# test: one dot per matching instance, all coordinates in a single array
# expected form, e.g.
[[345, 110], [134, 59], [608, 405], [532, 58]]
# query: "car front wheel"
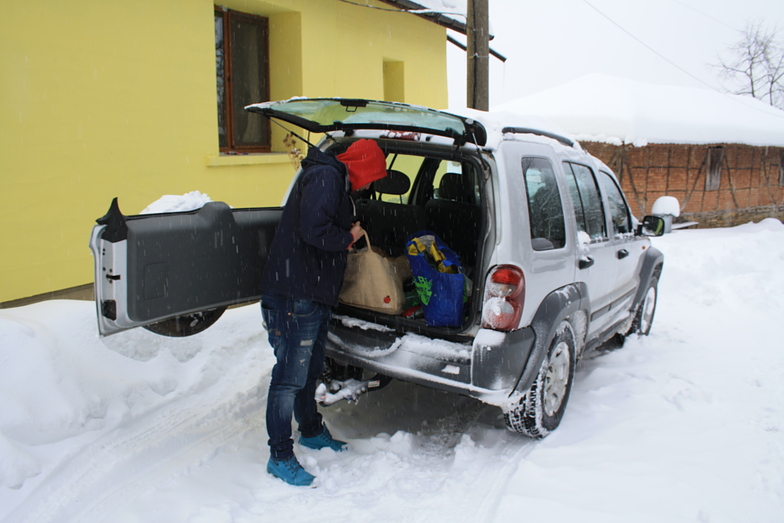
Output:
[[539, 412], [643, 321]]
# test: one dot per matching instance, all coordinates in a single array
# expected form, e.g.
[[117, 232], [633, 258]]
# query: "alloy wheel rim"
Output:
[[556, 378], [647, 310]]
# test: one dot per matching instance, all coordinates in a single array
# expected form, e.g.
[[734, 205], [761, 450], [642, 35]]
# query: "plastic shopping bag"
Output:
[[439, 279]]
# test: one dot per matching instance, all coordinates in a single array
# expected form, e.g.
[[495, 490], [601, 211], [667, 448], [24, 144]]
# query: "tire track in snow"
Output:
[[496, 479], [481, 489], [445, 433], [103, 480], [487, 485], [484, 487], [150, 450], [458, 445], [218, 432]]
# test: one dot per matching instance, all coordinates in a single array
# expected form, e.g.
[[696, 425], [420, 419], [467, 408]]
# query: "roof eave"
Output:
[[437, 18]]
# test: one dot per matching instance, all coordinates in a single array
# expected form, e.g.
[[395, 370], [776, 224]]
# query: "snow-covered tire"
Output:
[[540, 410], [187, 325], [643, 320]]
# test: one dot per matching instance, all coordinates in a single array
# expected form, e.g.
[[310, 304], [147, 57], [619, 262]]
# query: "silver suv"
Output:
[[556, 265]]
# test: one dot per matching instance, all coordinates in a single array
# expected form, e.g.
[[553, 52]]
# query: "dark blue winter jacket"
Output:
[[308, 254]]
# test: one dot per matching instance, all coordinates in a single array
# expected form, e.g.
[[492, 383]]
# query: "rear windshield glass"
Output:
[[326, 113]]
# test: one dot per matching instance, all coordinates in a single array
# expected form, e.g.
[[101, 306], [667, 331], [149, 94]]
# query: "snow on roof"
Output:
[[449, 13], [603, 108], [458, 8]]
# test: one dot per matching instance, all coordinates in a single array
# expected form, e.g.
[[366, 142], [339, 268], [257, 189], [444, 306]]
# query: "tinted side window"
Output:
[[545, 210], [588, 208], [619, 211]]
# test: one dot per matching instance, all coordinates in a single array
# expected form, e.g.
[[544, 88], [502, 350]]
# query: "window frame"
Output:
[[229, 116]]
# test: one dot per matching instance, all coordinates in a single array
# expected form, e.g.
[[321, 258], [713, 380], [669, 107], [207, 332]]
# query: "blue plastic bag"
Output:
[[438, 278]]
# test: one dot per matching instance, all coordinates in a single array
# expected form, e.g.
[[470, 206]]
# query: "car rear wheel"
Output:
[[186, 325], [539, 412]]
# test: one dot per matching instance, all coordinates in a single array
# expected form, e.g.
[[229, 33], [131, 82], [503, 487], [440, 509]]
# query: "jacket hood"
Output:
[[317, 157]]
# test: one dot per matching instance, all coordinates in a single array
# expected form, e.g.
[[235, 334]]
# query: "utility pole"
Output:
[[478, 56]]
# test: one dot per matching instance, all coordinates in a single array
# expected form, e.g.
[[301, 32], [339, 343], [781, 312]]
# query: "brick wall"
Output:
[[750, 183]]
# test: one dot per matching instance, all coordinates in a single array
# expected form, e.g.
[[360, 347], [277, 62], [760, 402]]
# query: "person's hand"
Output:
[[356, 231]]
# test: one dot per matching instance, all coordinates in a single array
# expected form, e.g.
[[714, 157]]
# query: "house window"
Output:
[[242, 67], [713, 161]]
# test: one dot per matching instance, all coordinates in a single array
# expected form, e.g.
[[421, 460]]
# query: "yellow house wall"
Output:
[[101, 99]]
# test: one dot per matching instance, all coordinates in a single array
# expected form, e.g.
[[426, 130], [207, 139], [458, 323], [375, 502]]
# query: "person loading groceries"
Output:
[[300, 284]]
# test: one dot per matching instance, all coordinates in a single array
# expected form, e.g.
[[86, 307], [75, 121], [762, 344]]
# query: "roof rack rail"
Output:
[[527, 130]]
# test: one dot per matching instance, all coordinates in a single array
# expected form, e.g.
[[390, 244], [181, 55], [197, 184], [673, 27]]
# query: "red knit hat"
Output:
[[365, 162]]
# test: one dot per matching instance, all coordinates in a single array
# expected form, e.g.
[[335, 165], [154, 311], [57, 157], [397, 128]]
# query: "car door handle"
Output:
[[623, 253], [585, 262]]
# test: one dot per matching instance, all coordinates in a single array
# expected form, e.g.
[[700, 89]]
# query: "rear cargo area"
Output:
[[435, 200]]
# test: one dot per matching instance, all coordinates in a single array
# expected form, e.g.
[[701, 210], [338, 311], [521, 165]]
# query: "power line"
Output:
[[657, 53], [651, 49], [706, 15]]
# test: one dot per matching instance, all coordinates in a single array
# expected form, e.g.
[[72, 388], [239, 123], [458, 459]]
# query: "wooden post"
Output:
[[478, 62]]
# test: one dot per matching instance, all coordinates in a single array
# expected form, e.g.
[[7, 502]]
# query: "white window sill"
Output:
[[223, 160]]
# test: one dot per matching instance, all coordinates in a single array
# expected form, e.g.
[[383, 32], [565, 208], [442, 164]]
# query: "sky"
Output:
[[550, 43]]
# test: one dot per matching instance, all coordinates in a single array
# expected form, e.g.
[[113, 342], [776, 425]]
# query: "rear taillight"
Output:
[[504, 296]]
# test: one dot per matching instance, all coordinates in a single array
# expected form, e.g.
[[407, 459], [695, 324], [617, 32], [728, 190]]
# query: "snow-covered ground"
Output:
[[686, 425]]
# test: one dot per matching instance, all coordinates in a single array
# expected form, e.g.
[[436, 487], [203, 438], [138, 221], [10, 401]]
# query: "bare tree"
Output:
[[755, 64]]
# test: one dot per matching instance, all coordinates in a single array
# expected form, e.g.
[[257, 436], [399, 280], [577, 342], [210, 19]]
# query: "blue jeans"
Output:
[[297, 331]]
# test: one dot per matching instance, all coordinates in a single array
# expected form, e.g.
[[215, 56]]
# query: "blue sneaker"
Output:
[[290, 471], [322, 441]]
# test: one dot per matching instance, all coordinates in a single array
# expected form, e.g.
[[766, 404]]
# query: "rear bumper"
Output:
[[486, 367]]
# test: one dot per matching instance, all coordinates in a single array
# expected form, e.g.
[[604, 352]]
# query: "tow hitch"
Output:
[[345, 383]]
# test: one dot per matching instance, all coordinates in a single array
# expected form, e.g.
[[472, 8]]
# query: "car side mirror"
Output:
[[652, 226]]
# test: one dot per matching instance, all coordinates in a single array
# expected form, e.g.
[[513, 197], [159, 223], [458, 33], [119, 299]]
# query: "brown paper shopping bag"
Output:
[[372, 282]]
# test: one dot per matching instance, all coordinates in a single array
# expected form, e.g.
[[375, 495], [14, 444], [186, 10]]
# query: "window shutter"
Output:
[[713, 162]]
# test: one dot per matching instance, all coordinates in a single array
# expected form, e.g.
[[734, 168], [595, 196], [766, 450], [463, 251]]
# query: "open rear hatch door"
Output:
[[154, 267], [321, 115]]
